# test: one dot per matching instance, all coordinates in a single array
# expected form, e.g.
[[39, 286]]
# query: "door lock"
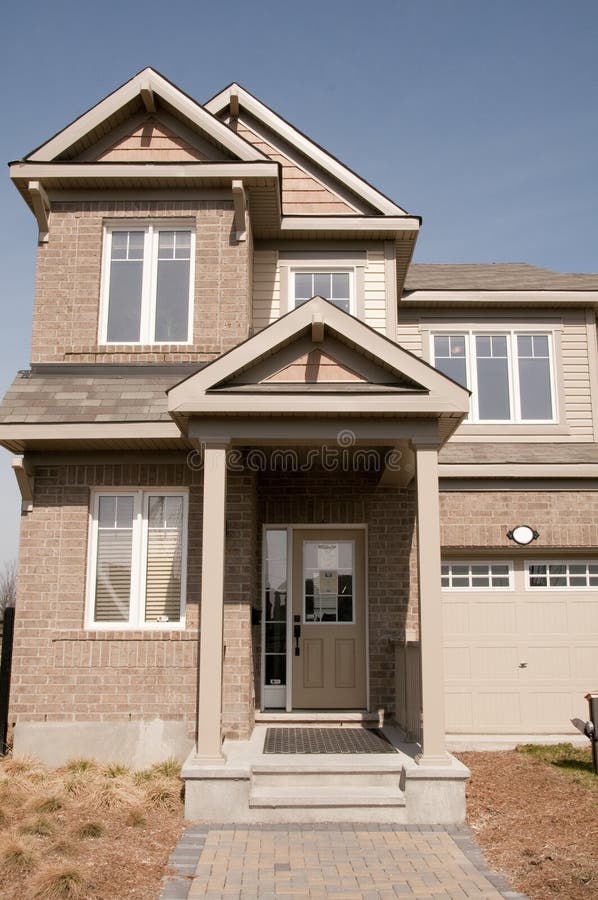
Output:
[[297, 635]]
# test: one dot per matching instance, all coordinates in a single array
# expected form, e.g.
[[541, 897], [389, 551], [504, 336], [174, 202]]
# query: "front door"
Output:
[[329, 665]]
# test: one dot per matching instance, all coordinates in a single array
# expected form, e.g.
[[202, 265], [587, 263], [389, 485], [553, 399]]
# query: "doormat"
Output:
[[326, 740]]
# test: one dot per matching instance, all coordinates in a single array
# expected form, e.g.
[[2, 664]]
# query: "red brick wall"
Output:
[[67, 293]]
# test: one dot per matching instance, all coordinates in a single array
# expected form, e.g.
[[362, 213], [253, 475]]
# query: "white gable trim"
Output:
[[146, 80], [193, 395], [319, 156]]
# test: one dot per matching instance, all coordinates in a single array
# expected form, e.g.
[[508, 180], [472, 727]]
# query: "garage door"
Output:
[[521, 643]]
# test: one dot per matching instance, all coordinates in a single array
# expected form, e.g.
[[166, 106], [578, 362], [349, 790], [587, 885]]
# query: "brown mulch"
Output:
[[536, 823]]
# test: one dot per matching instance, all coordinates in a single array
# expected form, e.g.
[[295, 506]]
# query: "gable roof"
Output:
[[221, 103], [138, 93], [237, 382]]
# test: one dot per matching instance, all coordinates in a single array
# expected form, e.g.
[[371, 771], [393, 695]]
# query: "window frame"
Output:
[[322, 268], [136, 620], [472, 561], [511, 334], [536, 589], [147, 329]]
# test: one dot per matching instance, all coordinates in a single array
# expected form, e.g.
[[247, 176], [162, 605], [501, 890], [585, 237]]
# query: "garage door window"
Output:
[[559, 574], [476, 576]]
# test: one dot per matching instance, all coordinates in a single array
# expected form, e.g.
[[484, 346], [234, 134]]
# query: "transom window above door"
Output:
[[510, 374], [147, 285], [333, 286]]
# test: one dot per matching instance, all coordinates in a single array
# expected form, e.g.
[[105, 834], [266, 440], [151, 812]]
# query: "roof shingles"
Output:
[[494, 277]]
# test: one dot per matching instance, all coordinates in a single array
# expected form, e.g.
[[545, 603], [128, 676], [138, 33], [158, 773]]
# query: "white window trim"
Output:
[[136, 620], [321, 267], [512, 370], [472, 561], [148, 293], [559, 562]]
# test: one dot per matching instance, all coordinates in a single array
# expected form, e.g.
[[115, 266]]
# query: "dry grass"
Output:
[[535, 813], [86, 830]]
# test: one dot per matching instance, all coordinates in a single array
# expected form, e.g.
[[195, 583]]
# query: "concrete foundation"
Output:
[[133, 744]]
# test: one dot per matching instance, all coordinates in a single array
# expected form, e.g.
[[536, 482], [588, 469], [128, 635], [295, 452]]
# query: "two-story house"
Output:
[[273, 474]]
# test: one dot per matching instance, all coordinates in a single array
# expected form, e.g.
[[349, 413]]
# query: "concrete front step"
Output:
[[317, 776], [325, 797]]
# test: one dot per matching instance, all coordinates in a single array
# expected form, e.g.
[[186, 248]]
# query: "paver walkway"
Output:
[[374, 862]]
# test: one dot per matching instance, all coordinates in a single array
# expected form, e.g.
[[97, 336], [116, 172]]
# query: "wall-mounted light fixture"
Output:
[[523, 534]]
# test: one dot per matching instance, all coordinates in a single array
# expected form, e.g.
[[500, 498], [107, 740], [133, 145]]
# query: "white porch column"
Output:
[[430, 610], [209, 711]]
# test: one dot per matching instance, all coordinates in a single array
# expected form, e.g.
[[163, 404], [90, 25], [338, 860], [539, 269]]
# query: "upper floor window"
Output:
[[336, 286], [147, 285], [137, 559], [510, 374]]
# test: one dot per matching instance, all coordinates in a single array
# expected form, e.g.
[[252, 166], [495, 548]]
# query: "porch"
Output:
[[252, 786]]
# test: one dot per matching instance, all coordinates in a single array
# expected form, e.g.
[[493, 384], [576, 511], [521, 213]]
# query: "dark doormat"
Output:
[[326, 740]]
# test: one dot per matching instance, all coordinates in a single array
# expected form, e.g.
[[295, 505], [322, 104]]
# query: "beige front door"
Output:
[[329, 665]]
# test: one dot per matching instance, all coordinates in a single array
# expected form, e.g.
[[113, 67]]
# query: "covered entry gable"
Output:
[[315, 360]]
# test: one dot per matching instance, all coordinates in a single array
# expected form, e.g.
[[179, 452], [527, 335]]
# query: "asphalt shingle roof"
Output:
[[494, 277]]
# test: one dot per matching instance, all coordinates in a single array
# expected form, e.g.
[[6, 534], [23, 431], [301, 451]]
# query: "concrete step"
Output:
[[317, 717], [316, 776], [325, 797]]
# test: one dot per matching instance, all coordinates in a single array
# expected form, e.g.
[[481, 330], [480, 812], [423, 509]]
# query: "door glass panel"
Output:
[[328, 578], [275, 606]]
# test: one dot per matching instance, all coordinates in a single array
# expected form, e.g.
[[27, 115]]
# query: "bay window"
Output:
[[137, 559], [510, 374], [147, 285]]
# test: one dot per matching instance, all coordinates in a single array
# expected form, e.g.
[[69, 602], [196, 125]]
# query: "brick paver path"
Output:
[[331, 861]]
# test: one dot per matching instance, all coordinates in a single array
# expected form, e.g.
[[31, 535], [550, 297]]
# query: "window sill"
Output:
[[124, 634], [512, 428]]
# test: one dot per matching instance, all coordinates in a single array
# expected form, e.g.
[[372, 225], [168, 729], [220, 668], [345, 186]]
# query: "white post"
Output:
[[209, 712], [430, 608]]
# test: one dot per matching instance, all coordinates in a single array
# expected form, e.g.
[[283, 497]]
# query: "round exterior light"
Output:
[[523, 534]]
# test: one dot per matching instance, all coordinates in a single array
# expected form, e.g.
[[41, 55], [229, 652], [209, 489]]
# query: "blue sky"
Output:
[[481, 116]]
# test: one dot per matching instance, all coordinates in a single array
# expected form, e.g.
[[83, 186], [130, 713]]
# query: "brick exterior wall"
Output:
[[564, 519], [64, 673], [68, 282]]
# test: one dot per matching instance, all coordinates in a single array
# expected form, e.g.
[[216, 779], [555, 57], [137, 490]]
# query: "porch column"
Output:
[[209, 710], [430, 610]]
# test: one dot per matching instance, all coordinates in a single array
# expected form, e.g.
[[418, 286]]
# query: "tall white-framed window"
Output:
[[147, 284], [561, 575], [510, 373], [137, 559], [334, 284]]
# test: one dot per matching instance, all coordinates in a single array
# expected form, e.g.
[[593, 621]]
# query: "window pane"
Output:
[[493, 378], [534, 387], [124, 300], [164, 559], [340, 285], [276, 669], [322, 285], [276, 638], [113, 565], [303, 286], [450, 357], [172, 287]]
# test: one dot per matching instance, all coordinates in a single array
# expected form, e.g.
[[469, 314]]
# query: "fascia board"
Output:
[[306, 146], [349, 223], [481, 298], [127, 92], [61, 431], [38, 171], [347, 328], [314, 404]]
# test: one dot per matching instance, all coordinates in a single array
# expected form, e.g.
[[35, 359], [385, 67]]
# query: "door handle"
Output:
[[297, 635]]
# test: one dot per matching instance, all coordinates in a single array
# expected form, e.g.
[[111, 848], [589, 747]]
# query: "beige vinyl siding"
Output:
[[151, 141], [375, 291], [576, 373], [301, 193], [266, 288], [571, 337]]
